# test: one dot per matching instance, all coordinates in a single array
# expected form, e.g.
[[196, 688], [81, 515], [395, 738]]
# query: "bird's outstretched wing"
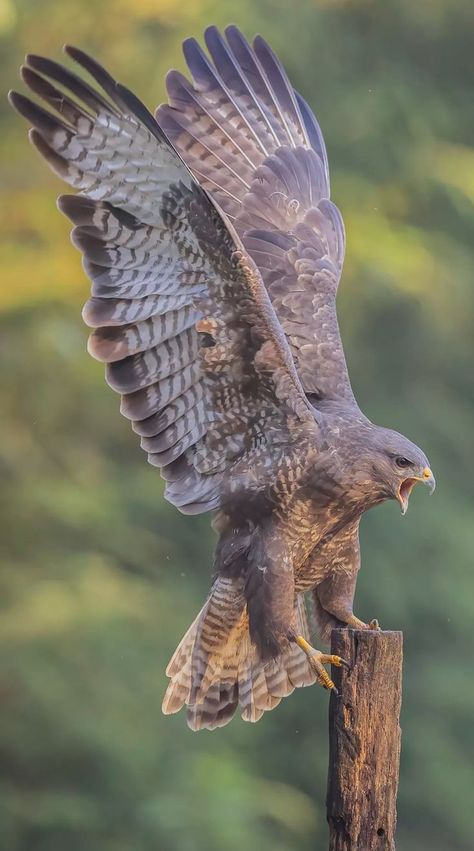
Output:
[[179, 311], [255, 145]]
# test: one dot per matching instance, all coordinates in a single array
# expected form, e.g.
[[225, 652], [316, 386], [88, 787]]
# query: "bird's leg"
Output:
[[355, 622], [317, 661], [336, 595]]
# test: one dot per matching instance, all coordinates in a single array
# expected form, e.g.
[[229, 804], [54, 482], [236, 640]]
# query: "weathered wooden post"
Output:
[[364, 741]]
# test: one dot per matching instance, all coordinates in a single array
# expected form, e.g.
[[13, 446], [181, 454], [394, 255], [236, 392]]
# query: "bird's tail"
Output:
[[216, 668]]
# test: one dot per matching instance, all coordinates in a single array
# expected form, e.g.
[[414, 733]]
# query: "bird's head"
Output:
[[398, 465]]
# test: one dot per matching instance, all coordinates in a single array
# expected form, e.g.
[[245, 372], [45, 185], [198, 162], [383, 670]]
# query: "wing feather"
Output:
[[300, 263], [256, 146], [179, 312]]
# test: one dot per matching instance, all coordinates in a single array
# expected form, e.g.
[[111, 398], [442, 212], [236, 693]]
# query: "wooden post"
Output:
[[364, 741]]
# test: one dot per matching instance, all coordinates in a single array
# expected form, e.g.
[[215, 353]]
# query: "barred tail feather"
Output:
[[215, 668]]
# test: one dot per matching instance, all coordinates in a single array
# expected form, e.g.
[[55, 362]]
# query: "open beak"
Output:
[[407, 486]]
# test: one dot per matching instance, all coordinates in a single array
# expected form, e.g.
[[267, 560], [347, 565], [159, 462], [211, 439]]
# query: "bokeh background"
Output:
[[100, 577]]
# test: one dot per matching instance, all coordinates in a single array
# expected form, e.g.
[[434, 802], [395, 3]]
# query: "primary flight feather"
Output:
[[215, 253]]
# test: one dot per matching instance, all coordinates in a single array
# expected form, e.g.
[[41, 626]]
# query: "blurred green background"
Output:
[[100, 577]]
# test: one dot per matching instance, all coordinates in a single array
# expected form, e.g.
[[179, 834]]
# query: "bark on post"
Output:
[[364, 741]]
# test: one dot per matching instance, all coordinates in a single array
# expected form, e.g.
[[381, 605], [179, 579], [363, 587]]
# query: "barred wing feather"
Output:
[[256, 147], [179, 312]]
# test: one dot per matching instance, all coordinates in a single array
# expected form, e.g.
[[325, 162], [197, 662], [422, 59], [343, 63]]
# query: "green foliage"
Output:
[[100, 577]]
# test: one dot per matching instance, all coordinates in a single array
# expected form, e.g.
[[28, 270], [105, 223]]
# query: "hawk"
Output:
[[215, 254]]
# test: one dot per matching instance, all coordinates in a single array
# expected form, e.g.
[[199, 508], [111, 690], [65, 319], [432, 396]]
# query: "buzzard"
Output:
[[215, 254]]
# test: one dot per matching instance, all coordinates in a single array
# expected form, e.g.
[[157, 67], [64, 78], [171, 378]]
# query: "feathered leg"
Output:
[[335, 596]]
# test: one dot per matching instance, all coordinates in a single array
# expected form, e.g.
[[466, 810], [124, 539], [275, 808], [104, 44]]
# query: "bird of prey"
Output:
[[215, 254]]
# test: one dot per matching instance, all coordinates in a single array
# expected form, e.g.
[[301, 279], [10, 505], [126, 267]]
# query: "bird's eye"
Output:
[[402, 462]]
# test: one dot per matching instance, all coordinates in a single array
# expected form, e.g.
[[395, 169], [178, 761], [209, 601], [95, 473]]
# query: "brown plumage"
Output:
[[215, 254]]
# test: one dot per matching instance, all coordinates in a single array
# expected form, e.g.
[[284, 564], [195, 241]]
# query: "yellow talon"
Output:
[[355, 623], [318, 660], [334, 660], [325, 680]]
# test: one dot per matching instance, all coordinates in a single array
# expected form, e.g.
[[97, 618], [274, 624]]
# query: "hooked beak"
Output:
[[407, 486]]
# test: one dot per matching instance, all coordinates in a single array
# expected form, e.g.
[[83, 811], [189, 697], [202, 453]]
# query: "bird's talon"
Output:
[[337, 661], [317, 660], [356, 623], [326, 683]]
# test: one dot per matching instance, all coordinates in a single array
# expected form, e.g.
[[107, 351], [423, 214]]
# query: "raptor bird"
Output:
[[215, 254]]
